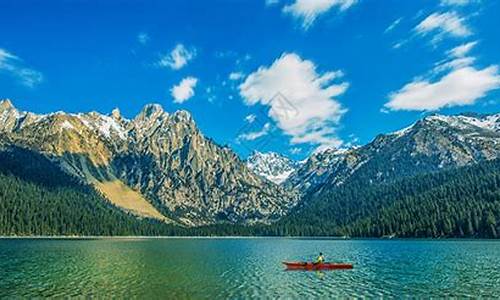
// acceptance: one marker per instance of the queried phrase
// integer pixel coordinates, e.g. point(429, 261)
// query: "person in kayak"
point(320, 259)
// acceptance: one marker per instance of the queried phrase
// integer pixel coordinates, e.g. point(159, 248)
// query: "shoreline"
point(63, 237)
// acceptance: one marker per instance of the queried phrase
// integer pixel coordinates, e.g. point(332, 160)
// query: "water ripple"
point(246, 268)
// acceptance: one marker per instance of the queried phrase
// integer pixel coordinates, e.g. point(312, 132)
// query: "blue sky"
point(287, 76)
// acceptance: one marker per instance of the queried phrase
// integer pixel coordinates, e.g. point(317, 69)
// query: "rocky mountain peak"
point(182, 116)
point(433, 143)
point(331, 151)
point(150, 117)
point(163, 158)
point(9, 116)
point(6, 104)
point(151, 111)
point(272, 166)
point(462, 122)
point(116, 114)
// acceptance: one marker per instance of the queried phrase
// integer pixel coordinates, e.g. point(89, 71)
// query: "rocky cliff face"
point(156, 158)
point(272, 166)
point(159, 165)
point(434, 143)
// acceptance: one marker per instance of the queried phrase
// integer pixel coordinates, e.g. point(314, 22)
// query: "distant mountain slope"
point(462, 202)
point(159, 158)
point(38, 198)
point(432, 144)
point(159, 168)
point(272, 166)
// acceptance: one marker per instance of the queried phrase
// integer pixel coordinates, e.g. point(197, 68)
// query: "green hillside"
point(37, 198)
point(463, 202)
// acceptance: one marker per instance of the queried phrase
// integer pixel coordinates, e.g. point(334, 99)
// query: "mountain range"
point(158, 167)
point(432, 144)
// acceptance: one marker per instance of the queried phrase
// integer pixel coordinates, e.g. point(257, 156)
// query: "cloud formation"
point(462, 50)
point(178, 57)
point(251, 136)
point(250, 118)
point(14, 66)
point(460, 87)
point(457, 2)
point(452, 82)
point(236, 76)
point(393, 25)
point(447, 24)
point(300, 99)
point(184, 90)
point(309, 10)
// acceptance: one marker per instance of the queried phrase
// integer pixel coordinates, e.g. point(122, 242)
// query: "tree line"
point(37, 198)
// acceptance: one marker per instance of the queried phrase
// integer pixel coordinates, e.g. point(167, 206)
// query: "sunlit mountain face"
point(160, 166)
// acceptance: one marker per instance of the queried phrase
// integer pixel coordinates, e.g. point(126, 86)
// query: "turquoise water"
point(246, 268)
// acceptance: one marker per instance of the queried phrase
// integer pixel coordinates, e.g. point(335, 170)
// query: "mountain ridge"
point(430, 144)
point(163, 157)
point(159, 165)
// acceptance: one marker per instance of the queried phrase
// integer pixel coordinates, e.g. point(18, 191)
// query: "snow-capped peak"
point(464, 121)
point(105, 125)
point(272, 166)
point(487, 122)
point(6, 104)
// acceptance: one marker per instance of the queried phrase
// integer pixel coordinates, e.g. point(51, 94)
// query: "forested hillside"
point(37, 198)
point(463, 202)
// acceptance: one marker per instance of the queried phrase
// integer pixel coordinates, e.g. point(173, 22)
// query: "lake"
point(246, 268)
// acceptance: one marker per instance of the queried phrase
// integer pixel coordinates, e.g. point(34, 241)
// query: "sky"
point(293, 76)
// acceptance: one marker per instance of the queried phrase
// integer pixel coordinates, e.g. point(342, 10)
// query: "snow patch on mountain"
point(462, 122)
point(66, 125)
point(272, 166)
point(489, 122)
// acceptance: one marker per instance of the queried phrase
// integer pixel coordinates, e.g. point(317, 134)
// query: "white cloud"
point(443, 24)
point(309, 10)
point(178, 57)
point(13, 65)
point(453, 64)
point(250, 136)
point(250, 118)
point(295, 150)
point(301, 101)
point(456, 2)
point(236, 76)
point(456, 59)
point(451, 82)
point(393, 25)
point(143, 38)
point(455, 81)
point(462, 50)
point(463, 85)
point(184, 90)
point(399, 44)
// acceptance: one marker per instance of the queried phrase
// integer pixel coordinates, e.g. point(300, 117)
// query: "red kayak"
point(311, 266)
